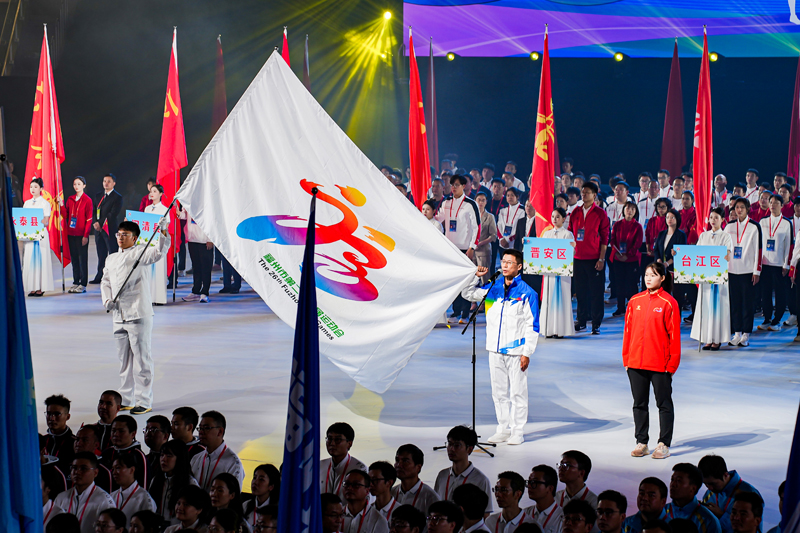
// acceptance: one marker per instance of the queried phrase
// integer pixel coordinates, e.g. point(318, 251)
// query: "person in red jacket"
point(651, 353)
point(626, 237)
point(78, 216)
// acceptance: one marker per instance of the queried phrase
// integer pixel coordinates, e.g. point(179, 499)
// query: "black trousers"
point(686, 294)
point(460, 305)
point(742, 297)
point(202, 259)
point(105, 245)
point(182, 249)
point(79, 256)
point(589, 290)
point(626, 280)
point(229, 272)
point(662, 388)
point(773, 280)
point(794, 296)
point(612, 278)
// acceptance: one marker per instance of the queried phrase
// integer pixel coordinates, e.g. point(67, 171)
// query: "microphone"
point(496, 275)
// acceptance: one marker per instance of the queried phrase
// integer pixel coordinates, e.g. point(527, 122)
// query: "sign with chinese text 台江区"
point(547, 256)
point(701, 264)
point(28, 223)
point(148, 224)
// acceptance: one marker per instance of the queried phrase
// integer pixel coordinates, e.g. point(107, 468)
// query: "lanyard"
point(528, 233)
point(49, 511)
point(74, 206)
point(585, 492)
point(203, 467)
point(507, 213)
point(103, 199)
point(496, 212)
point(124, 503)
point(447, 487)
point(77, 498)
point(344, 472)
point(463, 196)
point(738, 238)
point(389, 514)
point(363, 516)
point(778, 225)
point(716, 501)
point(548, 518)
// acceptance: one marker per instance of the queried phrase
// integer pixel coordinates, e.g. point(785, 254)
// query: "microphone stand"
point(472, 320)
point(138, 259)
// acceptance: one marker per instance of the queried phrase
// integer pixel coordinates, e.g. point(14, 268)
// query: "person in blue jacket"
point(723, 486)
point(683, 488)
point(512, 330)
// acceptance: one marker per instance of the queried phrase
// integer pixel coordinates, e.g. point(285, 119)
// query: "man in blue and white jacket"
point(512, 330)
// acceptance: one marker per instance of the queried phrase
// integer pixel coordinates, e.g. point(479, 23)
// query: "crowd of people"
point(99, 479)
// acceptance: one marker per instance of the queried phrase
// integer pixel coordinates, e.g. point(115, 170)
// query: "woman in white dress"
point(555, 316)
point(712, 320)
point(37, 267)
point(158, 287)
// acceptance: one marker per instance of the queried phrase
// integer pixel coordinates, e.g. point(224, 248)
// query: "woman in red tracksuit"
point(651, 353)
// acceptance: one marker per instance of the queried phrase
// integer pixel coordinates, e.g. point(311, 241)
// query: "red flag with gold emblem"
point(172, 155)
point(417, 137)
point(46, 152)
point(703, 149)
point(544, 151)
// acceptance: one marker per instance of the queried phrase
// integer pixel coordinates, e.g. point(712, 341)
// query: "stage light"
point(713, 56)
point(535, 56)
point(387, 15)
point(619, 56)
point(450, 56)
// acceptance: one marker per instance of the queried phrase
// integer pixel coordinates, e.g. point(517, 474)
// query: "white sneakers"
point(661, 451)
point(736, 339)
point(499, 437)
point(745, 340)
point(640, 451)
point(516, 439)
point(791, 321)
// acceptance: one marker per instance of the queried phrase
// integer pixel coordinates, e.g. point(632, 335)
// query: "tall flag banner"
point(371, 244)
point(417, 136)
point(300, 508)
point(21, 497)
point(431, 115)
point(46, 153)
point(673, 143)
point(793, 168)
point(285, 48)
point(703, 151)
point(306, 72)
point(790, 521)
point(220, 109)
point(545, 164)
point(172, 154)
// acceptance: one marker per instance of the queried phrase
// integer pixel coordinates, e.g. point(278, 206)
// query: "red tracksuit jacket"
point(652, 338)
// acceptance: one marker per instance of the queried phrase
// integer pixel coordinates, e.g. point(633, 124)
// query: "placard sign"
point(148, 224)
point(547, 256)
point(701, 264)
point(28, 223)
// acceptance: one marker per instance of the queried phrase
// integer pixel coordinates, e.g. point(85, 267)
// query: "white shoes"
point(516, 439)
point(791, 321)
point(737, 338)
point(661, 451)
point(499, 437)
point(774, 327)
point(745, 340)
point(640, 451)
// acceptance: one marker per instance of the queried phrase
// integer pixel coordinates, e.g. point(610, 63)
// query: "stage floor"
point(234, 355)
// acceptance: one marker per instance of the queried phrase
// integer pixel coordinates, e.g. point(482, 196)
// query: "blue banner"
point(148, 224)
point(299, 506)
point(547, 256)
point(790, 522)
point(20, 470)
point(28, 223)
point(700, 264)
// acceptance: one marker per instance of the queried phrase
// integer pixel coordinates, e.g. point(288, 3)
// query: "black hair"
point(268, 510)
point(387, 167)
point(635, 207)
point(744, 201)
point(778, 174)
point(791, 181)
point(150, 520)
point(550, 476)
point(695, 476)
point(662, 487)
point(787, 186)
point(464, 434)
point(158, 187)
point(563, 196)
point(781, 488)
point(755, 501)
point(660, 270)
point(274, 476)
point(561, 211)
point(131, 226)
point(110, 175)
point(514, 191)
point(647, 174)
point(777, 197)
point(387, 471)
point(342, 428)
point(664, 171)
point(430, 203)
point(583, 508)
point(687, 175)
point(481, 193)
point(450, 510)
point(217, 417)
point(152, 179)
point(197, 498)
point(497, 180)
point(713, 466)
point(516, 253)
point(63, 523)
point(511, 163)
point(116, 516)
point(129, 421)
point(458, 178)
point(83, 180)
point(53, 479)
point(584, 463)
point(59, 400)
point(567, 160)
point(674, 212)
point(329, 498)
point(128, 460)
point(364, 476)
point(665, 527)
point(678, 178)
point(664, 201)
point(517, 482)
point(412, 515)
point(232, 483)
point(164, 424)
point(181, 474)
point(88, 456)
point(624, 184)
point(228, 519)
point(754, 171)
point(114, 394)
point(489, 166)
point(573, 190)
point(591, 186)
point(416, 454)
point(39, 182)
point(188, 415)
point(718, 210)
point(435, 179)
point(690, 193)
point(472, 500)
point(616, 497)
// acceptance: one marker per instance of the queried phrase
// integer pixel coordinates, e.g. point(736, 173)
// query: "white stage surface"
point(234, 355)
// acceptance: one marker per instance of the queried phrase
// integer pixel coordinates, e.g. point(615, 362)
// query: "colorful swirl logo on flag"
point(345, 277)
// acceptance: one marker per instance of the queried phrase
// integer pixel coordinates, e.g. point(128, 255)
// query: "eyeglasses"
point(565, 466)
point(351, 485)
point(206, 428)
point(104, 525)
point(454, 444)
point(81, 468)
point(123, 235)
point(606, 511)
point(532, 483)
point(152, 430)
point(335, 440)
point(501, 490)
point(397, 524)
point(436, 519)
point(53, 414)
point(508, 263)
point(574, 518)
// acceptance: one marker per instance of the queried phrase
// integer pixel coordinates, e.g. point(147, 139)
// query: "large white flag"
point(384, 274)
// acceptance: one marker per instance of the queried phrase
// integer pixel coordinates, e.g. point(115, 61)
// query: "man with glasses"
point(338, 441)
point(156, 434)
point(359, 515)
point(184, 422)
point(461, 440)
point(58, 441)
point(445, 517)
point(573, 471)
point(411, 490)
point(472, 502)
point(218, 457)
point(382, 476)
point(579, 517)
point(508, 492)
point(123, 440)
point(407, 519)
point(85, 500)
point(266, 519)
point(611, 509)
point(332, 513)
point(542, 484)
point(108, 407)
point(133, 312)
point(650, 501)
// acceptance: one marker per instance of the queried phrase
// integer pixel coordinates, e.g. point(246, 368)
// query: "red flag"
point(703, 152)
point(220, 109)
point(306, 73)
point(673, 144)
point(794, 132)
point(417, 138)
point(46, 152)
point(172, 155)
point(285, 49)
point(544, 152)
point(430, 115)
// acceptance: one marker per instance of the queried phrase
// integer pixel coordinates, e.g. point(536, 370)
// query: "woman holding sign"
point(712, 322)
point(556, 309)
point(158, 287)
point(37, 268)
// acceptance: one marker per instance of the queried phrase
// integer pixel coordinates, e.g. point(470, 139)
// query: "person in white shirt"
point(644, 187)
point(201, 250)
point(616, 208)
point(85, 500)
point(193, 503)
point(37, 267)
point(794, 297)
point(512, 181)
point(688, 181)
point(266, 482)
point(332, 513)
point(359, 515)
point(461, 440)
point(49, 509)
point(508, 217)
point(778, 239)
point(408, 461)
point(677, 193)
point(129, 497)
point(338, 440)
point(111, 519)
point(218, 457)
point(132, 311)
point(647, 205)
point(744, 271)
point(579, 517)
point(184, 421)
point(573, 201)
point(158, 274)
point(472, 501)
point(382, 476)
point(508, 492)
point(445, 517)
point(665, 189)
point(546, 512)
point(175, 473)
point(751, 179)
point(429, 210)
point(612, 508)
point(226, 495)
point(573, 471)
point(720, 196)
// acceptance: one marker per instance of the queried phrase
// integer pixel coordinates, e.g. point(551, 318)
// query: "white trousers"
point(509, 392)
point(135, 361)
